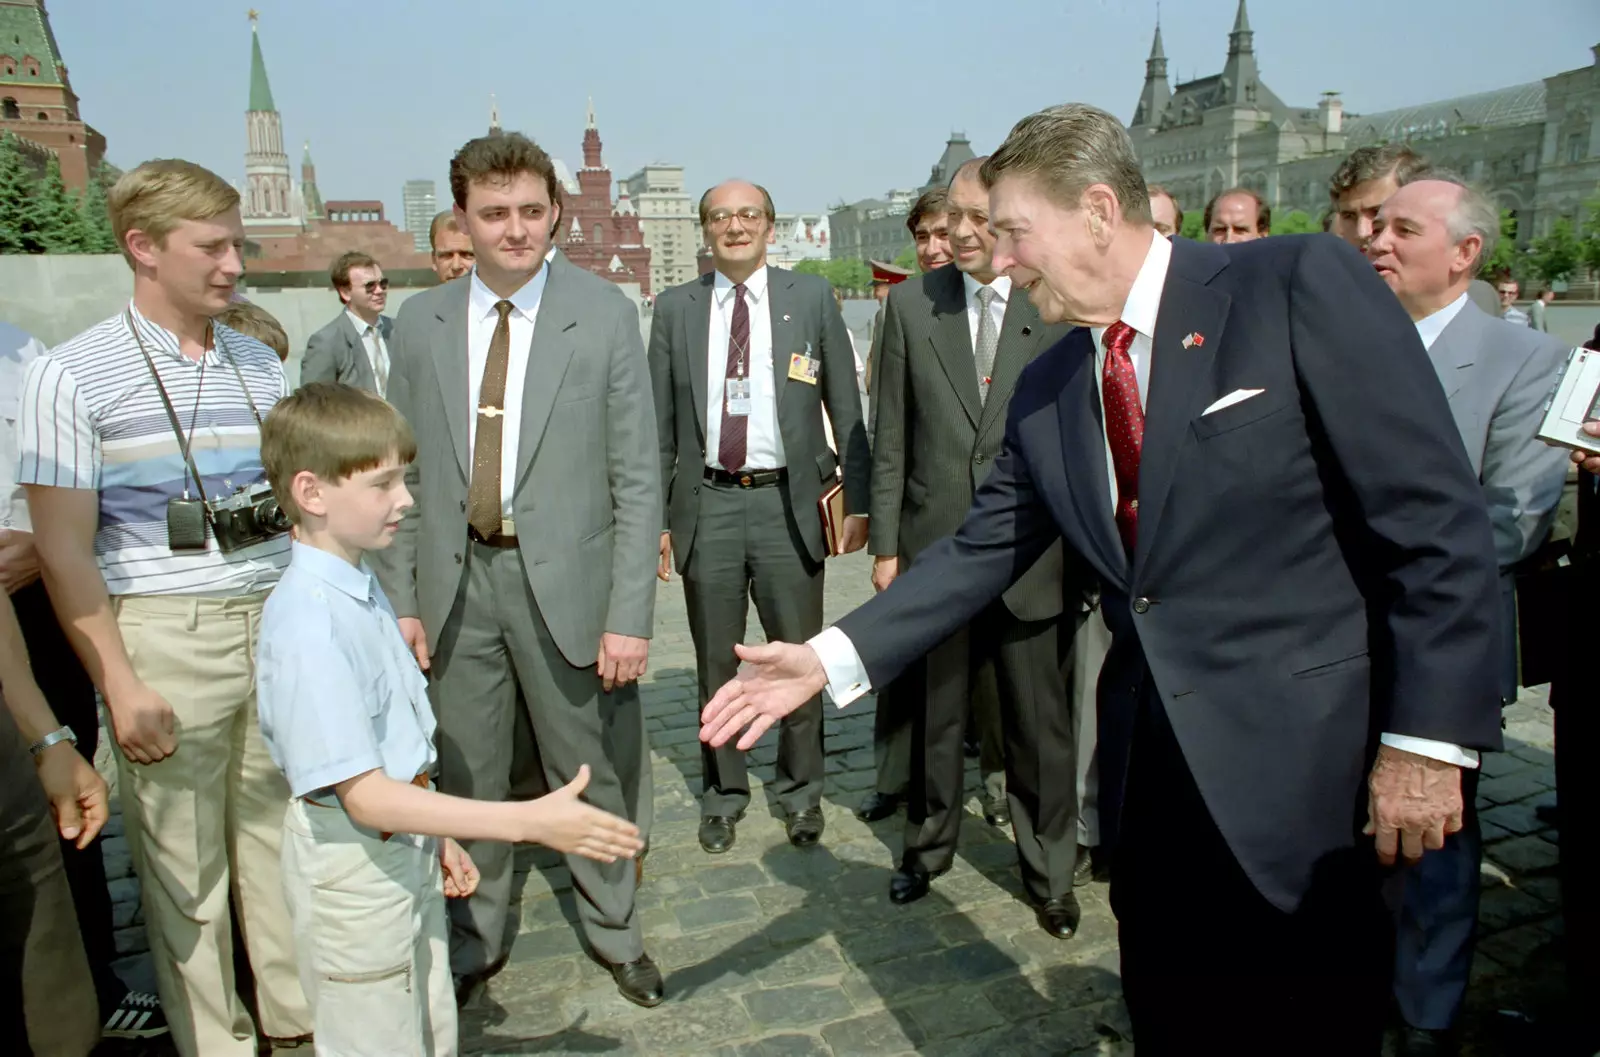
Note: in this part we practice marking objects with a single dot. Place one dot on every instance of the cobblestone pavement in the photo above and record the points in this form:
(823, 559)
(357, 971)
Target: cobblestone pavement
(770, 951)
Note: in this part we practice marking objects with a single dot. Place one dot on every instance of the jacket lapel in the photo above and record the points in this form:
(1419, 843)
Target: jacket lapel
(1181, 379)
(1456, 349)
(449, 349)
(548, 356)
(360, 361)
(702, 302)
(1083, 442)
(1019, 340)
(952, 342)
(785, 337)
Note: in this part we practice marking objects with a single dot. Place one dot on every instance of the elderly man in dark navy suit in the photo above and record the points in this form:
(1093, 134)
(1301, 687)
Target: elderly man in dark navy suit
(1250, 447)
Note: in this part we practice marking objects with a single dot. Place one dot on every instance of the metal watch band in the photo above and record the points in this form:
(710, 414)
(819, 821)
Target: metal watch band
(56, 736)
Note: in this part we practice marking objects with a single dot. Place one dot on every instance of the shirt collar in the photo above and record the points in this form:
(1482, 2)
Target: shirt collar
(525, 302)
(1144, 297)
(1001, 287)
(1429, 327)
(755, 287)
(158, 339)
(360, 324)
(354, 580)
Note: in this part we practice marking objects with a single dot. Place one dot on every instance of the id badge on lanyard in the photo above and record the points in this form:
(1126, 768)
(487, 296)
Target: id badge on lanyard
(737, 397)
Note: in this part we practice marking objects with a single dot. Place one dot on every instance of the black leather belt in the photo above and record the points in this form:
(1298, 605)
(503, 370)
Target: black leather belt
(497, 540)
(746, 478)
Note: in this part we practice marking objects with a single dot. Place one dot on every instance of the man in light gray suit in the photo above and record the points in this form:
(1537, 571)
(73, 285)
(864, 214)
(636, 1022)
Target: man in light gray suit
(1427, 243)
(354, 347)
(528, 560)
(955, 342)
(743, 362)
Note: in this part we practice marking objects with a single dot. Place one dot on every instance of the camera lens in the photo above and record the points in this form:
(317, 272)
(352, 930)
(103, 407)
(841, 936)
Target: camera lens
(273, 519)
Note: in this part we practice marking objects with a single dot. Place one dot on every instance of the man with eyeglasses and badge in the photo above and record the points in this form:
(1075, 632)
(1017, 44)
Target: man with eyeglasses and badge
(354, 347)
(743, 361)
(159, 540)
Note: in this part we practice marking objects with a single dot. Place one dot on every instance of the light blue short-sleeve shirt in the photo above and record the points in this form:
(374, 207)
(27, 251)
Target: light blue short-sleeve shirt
(339, 692)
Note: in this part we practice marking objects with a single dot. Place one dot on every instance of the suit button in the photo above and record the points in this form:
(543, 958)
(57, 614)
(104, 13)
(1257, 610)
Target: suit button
(1141, 605)
(463, 506)
(978, 459)
(458, 559)
(695, 490)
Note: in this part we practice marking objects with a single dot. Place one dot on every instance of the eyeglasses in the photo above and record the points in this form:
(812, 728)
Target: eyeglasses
(1508, 293)
(721, 218)
(375, 285)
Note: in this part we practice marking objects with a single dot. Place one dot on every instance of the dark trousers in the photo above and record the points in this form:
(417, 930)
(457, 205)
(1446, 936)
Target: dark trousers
(1578, 793)
(895, 730)
(1205, 956)
(71, 695)
(747, 546)
(1038, 734)
(47, 1000)
(1438, 923)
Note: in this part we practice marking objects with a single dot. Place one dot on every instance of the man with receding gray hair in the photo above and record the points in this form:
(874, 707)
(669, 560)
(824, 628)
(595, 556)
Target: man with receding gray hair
(1427, 241)
(1249, 447)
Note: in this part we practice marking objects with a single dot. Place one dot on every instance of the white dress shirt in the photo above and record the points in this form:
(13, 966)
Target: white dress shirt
(763, 442)
(17, 350)
(847, 676)
(1431, 326)
(377, 350)
(997, 307)
(481, 321)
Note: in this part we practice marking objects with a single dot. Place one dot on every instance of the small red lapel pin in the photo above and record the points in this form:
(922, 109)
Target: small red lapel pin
(1195, 340)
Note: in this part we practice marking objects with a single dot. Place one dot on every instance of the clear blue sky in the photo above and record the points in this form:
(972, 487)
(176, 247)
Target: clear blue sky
(820, 100)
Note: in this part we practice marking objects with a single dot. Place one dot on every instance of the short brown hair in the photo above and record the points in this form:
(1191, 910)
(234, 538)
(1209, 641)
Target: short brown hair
(931, 202)
(766, 201)
(447, 219)
(501, 157)
(347, 262)
(1263, 211)
(1068, 149)
(159, 195)
(1374, 163)
(253, 321)
(332, 430)
(1157, 191)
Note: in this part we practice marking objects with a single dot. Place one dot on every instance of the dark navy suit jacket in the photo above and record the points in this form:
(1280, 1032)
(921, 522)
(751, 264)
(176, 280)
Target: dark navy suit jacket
(1314, 564)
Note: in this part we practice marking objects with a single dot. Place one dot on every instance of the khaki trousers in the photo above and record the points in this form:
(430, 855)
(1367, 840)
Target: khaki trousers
(207, 823)
(372, 936)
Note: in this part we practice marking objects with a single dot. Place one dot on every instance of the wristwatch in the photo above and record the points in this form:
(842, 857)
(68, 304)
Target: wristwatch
(60, 734)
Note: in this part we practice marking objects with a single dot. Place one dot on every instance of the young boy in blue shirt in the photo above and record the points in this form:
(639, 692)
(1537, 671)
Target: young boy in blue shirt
(367, 851)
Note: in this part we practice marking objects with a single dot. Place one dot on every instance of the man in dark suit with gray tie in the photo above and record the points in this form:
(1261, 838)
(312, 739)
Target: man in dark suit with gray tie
(743, 362)
(1250, 447)
(354, 347)
(955, 342)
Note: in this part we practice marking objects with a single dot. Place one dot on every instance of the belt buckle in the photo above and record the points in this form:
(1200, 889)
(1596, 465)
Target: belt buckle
(746, 480)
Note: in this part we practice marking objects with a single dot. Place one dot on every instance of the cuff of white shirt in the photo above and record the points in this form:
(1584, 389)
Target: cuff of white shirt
(847, 676)
(1438, 750)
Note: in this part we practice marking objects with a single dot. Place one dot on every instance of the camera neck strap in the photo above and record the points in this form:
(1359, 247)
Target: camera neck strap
(166, 402)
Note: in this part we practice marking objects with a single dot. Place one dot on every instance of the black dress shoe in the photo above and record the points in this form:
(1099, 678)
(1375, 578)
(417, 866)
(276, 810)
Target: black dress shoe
(970, 748)
(910, 883)
(1059, 917)
(639, 981)
(1420, 1042)
(469, 984)
(1083, 869)
(805, 827)
(878, 806)
(717, 832)
(997, 812)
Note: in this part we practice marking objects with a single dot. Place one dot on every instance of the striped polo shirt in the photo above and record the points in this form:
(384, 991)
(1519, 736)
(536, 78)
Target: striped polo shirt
(92, 417)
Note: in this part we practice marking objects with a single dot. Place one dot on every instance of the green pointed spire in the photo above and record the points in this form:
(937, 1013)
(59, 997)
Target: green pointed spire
(305, 159)
(1241, 21)
(260, 90)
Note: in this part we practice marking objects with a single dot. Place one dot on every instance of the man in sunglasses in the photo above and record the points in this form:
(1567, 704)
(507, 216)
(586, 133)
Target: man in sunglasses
(354, 348)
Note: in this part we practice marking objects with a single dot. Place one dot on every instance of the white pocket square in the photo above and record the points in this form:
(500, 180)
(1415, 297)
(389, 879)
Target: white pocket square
(1236, 397)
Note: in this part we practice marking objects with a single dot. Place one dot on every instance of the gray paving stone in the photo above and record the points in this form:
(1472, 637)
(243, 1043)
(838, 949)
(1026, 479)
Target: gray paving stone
(793, 964)
(1525, 854)
(787, 1045)
(1517, 818)
(546, 943)
(960, 1011)
(1532, 782)
(797, 1005)
(873, 1034)
(718, 879)
(714, 911)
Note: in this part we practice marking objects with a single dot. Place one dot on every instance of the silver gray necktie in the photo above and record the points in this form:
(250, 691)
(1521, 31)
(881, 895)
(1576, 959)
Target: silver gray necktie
(988, 341)
(380, 362)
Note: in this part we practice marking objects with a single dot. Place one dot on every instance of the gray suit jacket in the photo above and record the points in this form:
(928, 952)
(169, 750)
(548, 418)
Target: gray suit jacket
(588, 495)
(336, 354)
(934, 442)
(803, 313)
(1497, 375)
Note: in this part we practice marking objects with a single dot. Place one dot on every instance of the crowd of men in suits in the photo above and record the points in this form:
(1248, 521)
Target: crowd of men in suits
(1207, 551)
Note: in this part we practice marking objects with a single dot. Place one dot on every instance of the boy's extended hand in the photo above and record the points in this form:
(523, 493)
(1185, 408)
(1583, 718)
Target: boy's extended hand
(460, 872)
(561, 821)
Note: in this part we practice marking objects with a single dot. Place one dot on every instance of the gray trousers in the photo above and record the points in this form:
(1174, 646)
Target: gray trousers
(746, 547)
(894, 733)
(494, 642)
(1089, 647)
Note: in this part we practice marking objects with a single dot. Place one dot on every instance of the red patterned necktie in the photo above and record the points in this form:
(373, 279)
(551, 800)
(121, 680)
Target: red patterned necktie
(1119, 390)
(731, 438)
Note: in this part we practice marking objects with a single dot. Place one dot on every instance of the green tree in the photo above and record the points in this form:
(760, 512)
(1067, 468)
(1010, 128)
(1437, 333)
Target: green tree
(63, 229)
(96, 218)
(813, 266)
(1504, 258)
(1293, 222)
(907, 258)
(850, 275)
(19, 200)
(1555, 256)
(1194, 227)
(1590, 242)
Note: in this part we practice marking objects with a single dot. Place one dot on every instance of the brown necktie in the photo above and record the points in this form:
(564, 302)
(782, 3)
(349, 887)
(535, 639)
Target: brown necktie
(483, 494)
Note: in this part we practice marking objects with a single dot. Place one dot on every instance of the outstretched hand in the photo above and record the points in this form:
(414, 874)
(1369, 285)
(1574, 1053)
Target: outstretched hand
(776, 679)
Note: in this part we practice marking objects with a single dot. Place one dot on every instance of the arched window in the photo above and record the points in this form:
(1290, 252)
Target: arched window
(599, 233)
(8, 109)
(8, 64)
(43, 116)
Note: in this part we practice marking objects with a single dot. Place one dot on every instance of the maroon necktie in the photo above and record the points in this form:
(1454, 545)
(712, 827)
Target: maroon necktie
(731, 440)
(1119, 389)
